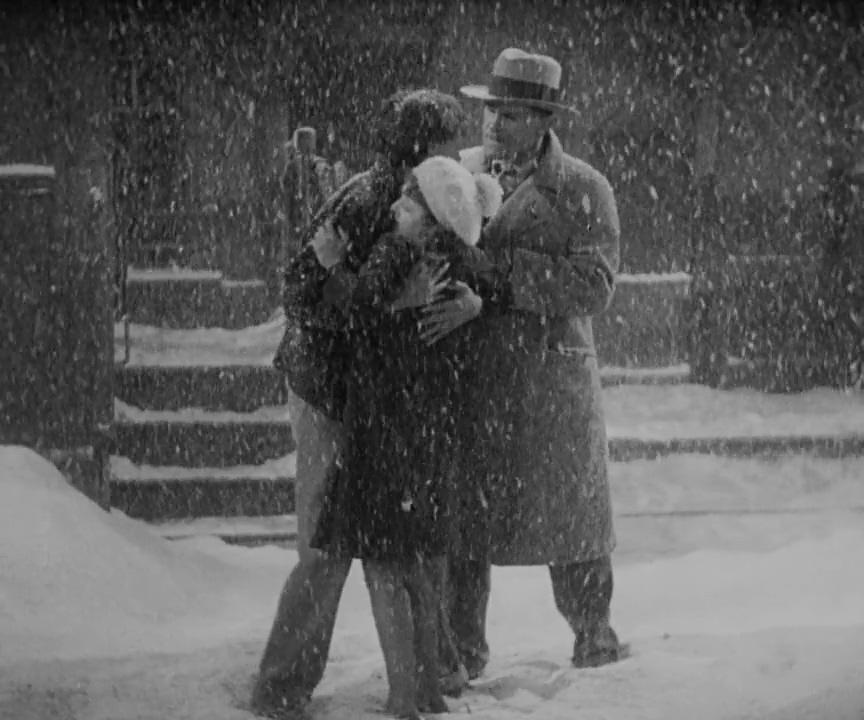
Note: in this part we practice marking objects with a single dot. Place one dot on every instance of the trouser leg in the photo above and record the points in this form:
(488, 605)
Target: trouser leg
(391, 609)
(296, 652)
(469, 585)
(583, 595)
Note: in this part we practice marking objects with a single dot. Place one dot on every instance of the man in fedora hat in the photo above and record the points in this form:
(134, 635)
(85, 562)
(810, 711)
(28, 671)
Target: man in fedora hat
(541, 450)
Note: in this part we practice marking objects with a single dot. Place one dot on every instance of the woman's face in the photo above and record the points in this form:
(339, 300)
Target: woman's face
(411, 217)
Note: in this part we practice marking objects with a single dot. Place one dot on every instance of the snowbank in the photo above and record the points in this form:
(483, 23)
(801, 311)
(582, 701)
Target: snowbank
(717, 634)
(75, 578)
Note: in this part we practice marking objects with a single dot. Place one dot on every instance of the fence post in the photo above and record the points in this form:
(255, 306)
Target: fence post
(305, 140)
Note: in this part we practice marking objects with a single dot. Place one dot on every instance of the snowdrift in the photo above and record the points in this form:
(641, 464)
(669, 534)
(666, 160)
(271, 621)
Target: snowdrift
(102, 620)
(73, 575)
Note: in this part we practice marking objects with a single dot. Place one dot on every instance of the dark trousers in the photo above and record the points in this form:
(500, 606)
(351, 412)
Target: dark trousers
(582, 591)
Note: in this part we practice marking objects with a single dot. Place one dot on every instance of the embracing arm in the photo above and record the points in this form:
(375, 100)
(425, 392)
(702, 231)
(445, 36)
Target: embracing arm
(382, 277)
(378, 282)
(309, 282)
(491, 284)
(582, 280)
(302, 282)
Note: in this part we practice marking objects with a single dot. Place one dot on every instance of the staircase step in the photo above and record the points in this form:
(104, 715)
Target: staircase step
(173, 493)
(197, 439)
(238, 388)
(642, 421)
(623, 449)
(249, 530)
(170, 298)
(245, 388)
(151, 346)
(641, 327)
(177, 298)
(244, 303)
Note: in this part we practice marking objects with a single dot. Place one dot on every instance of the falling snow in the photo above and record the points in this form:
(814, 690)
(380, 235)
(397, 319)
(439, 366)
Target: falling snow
(155, 160)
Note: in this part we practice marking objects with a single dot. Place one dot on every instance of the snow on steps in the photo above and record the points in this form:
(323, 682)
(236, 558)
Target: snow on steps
(154, 493)
(244, 388)
(239, 388)
(198, 438)
(641, 327)
(643, 422)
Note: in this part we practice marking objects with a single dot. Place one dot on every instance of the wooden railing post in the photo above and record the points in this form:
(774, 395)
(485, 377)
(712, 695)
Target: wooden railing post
(305, 140)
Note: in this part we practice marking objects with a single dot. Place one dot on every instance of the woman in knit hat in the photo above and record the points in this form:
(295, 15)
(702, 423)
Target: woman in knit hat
(392, 502)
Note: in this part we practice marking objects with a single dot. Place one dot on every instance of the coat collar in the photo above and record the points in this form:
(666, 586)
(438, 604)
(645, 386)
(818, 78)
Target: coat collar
(550, 172)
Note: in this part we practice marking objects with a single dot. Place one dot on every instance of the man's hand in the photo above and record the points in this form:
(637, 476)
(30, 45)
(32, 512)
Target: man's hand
(329, 245)
(445, 316)
(423, 286)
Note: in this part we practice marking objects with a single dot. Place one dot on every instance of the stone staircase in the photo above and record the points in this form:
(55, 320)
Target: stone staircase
(201, 439)
(216, 441)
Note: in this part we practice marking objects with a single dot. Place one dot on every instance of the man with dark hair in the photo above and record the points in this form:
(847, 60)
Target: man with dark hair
(313, 353)
(541, 436)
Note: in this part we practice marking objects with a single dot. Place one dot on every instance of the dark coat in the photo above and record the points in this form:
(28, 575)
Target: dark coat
(542, 436)
(314, 351)
(407, 409)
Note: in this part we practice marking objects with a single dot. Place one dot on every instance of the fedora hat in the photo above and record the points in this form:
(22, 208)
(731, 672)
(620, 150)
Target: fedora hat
(520, 78)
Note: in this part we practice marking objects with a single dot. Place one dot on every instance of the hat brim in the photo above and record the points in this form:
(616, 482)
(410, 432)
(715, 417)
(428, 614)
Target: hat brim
(481, 92)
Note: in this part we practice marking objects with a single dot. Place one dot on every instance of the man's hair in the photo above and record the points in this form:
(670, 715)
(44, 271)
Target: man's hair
(412, 121)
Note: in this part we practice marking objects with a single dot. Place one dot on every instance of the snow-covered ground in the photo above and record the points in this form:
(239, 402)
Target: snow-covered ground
(687, 410)
(741, 616)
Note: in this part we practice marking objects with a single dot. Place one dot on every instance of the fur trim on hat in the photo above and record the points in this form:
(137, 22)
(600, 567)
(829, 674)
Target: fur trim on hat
(457, 199)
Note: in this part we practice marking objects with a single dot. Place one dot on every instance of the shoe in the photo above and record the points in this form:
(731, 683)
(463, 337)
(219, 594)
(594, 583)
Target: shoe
(454, 683)
(475, 663)
(598, 649)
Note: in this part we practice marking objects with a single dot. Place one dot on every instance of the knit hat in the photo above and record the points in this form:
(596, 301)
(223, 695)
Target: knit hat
(457, 199)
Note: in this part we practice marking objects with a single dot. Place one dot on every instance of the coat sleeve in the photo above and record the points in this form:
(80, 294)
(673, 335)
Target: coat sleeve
(489, 282)
(381, 278)
(582, 280)
(306, 284)
(302, 284)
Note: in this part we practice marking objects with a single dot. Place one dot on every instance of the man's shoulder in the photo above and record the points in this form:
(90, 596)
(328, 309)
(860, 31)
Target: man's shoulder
(585, 189)
(581, 176)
